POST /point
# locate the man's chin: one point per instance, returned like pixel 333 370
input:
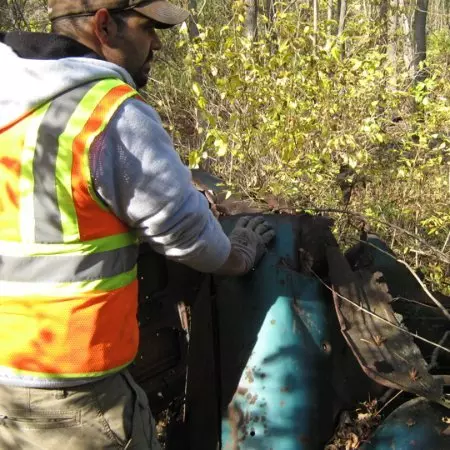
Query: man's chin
pixel 141 80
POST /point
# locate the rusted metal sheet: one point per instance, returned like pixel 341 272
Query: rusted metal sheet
pixel 214 189
pixel 385 352
pixel 418 311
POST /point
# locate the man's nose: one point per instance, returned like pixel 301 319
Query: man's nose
pixel 156 43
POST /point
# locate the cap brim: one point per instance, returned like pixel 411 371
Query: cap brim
pixel 165 14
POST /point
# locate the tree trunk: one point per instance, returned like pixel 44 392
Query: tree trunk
pixel 342 16
pixel 270 11
pixel 251 19
pixel 315 22
pixel 420 39
pixel 329 15
pixel 392 36
pixel 408 52
pixel 383 14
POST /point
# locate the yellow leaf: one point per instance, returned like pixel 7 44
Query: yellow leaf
pixel 197 89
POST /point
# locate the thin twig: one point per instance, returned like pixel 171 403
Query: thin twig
pixel 442 256
pixel 446 242
pixel 425 289
pixel 386 396
pixel 435 354
pixel 388 402
pixel 361 308
pixel 408 300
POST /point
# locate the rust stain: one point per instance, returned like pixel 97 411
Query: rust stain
pixel 249 376
pixel 253 399
pixel 282 404
pixel 326 347
pixel 413 374
pixel 284 389
pixel 410 422
pixel 242 390
pixel 273 322
pixel 296 308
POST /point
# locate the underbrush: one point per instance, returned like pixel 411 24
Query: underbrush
pixel 334 128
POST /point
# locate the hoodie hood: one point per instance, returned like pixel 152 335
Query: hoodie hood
pixel 48 65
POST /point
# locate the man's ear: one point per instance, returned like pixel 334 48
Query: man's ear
pixel 105 27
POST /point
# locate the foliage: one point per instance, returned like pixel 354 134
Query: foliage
pixel 329 127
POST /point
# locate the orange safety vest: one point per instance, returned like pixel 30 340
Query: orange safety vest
pixel 68 283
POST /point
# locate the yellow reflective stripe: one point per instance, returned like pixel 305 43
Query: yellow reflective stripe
pixel 107 118
pixel 74 127
pixel 24 374
pixel 26 181
pixel 61 290
pixel 18 249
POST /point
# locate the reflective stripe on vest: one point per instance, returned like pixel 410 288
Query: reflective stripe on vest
pixel 68 288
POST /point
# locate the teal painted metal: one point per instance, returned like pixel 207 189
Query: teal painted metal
pixel 415 425
pixel 284 397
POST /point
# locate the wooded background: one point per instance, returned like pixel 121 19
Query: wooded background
pixel 340 106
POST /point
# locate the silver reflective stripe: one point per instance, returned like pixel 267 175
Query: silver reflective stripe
pixel 48 226
pixel 65 268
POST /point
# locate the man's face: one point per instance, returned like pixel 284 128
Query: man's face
pixel 134 45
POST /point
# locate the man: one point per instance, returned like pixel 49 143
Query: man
pixel 86 170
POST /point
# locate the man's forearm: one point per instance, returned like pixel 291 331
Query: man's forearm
pixel 234 265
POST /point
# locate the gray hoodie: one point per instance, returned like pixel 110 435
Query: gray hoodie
pixel 135 169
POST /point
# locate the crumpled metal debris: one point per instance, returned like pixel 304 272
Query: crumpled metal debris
pixel 386 353
pixel 220 204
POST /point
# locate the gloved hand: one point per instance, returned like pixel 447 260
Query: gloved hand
pixel 250 237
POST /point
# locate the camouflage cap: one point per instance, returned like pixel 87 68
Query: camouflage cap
pixel 164 13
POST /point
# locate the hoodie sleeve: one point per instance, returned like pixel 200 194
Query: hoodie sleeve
pixel 138 174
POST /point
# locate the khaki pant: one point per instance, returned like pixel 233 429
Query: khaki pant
pixel 109 414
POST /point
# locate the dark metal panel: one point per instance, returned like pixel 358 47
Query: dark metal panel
pixel 203 388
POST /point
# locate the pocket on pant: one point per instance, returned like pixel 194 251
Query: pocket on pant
pixel 115 402
pixel 124 412
pixel 41 420
pixel 144 432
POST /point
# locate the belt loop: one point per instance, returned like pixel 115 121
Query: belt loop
pixel 60 394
